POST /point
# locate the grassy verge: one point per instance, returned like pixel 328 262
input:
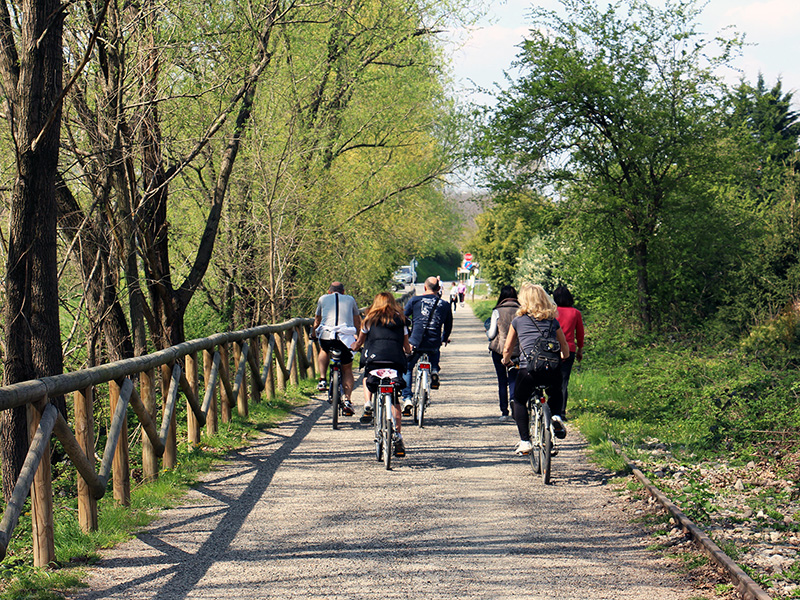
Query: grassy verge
pixel 75 549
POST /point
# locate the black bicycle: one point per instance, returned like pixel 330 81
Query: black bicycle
pixel 540 425
pixel 335 390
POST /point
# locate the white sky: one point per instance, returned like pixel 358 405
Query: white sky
pixel 770 27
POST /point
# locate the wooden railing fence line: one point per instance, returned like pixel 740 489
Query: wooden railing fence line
pixel 179 375
pixel 280 367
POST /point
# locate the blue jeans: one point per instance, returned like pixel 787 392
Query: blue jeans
pixel 506 381
pixel 433 356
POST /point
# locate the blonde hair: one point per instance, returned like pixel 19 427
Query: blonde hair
pixel 534 301
pixel 384 310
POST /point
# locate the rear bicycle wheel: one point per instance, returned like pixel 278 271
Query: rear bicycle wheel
pixel 336 397
pixel 547 443
pixel 376 421
pixel 415 394
pixel 386 430
pixel 423 400
pixel 535 430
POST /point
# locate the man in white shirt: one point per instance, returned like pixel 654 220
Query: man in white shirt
pixel 336 323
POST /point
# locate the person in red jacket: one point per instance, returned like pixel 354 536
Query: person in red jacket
pixel 571 323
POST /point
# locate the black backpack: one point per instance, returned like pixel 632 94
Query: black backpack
pixel 545 356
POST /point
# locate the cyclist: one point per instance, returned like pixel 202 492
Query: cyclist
pixel 384 337
pixel 431 324
pixel 336 323
pixel 534 304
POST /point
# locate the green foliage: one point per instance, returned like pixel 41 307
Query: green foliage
pixel 776 342
pixel 443 264
pixel 700 402
pixel 504 230
pixel 619 111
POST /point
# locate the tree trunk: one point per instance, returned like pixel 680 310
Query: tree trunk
pixel 33 337
pixel 643 285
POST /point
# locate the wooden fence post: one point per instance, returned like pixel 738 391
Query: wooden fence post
pixel 84 433
pixel 308 357
pixel 147 392
pixel 241 399
pixel 121 464
pixel 170 459
pixel 315 355
pixel 44 550
pixel 294 344
pixel 255 376
pixel 280 363
pixel 270 382
pixel 225 377
pixel 211 417
pixel 192 424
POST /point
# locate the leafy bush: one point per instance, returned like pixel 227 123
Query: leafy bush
pixel 776 342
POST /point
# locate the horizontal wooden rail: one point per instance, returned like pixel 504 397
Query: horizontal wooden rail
pixel 22 393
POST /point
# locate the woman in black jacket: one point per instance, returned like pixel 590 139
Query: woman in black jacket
pixel 384 338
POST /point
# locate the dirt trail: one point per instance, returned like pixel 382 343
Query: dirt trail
pixel 307 512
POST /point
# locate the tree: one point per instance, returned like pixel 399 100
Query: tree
pixel 505 230
pixel 31 68
pixel 619 110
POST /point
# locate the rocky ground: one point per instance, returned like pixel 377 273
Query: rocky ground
pixel 751 511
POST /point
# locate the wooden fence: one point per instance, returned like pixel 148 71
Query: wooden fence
pixel 287 355
pixel 287 352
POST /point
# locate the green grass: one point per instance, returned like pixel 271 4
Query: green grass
pixel 74 548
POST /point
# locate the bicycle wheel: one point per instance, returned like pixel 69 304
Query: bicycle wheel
pixel 547 443
pixel 535 430
pixel 415 394
pixel 423 400
pixel 336 397
pixel 386 430
pixel 376 420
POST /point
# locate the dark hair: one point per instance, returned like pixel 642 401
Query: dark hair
pixel 563 297
pixel 507 291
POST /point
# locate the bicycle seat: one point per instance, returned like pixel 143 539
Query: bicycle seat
pixel 384 373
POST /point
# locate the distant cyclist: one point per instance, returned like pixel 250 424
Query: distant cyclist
pixel 336 323
pixel 431 324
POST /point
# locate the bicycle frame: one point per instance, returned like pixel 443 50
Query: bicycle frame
pixel 384 420
pixel 422 388
pixel 335 385
pixel 540 426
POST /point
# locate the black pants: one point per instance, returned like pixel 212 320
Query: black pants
pixel 506 380
pixel 526 384
pixel 566 370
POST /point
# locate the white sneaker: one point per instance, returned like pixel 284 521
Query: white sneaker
pixel 523 447
pixel 505 418
pixel 408 406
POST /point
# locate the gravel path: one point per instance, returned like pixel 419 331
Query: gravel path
pixel 307 512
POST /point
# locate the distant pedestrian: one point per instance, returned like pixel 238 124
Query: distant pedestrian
pixel 462 291
pixel 503 313
pixel 454 297
pixel 571 322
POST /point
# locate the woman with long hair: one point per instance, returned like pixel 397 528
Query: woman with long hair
pixel 571 322
pixel 384 339
pixel 503 313
pixel 535 318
